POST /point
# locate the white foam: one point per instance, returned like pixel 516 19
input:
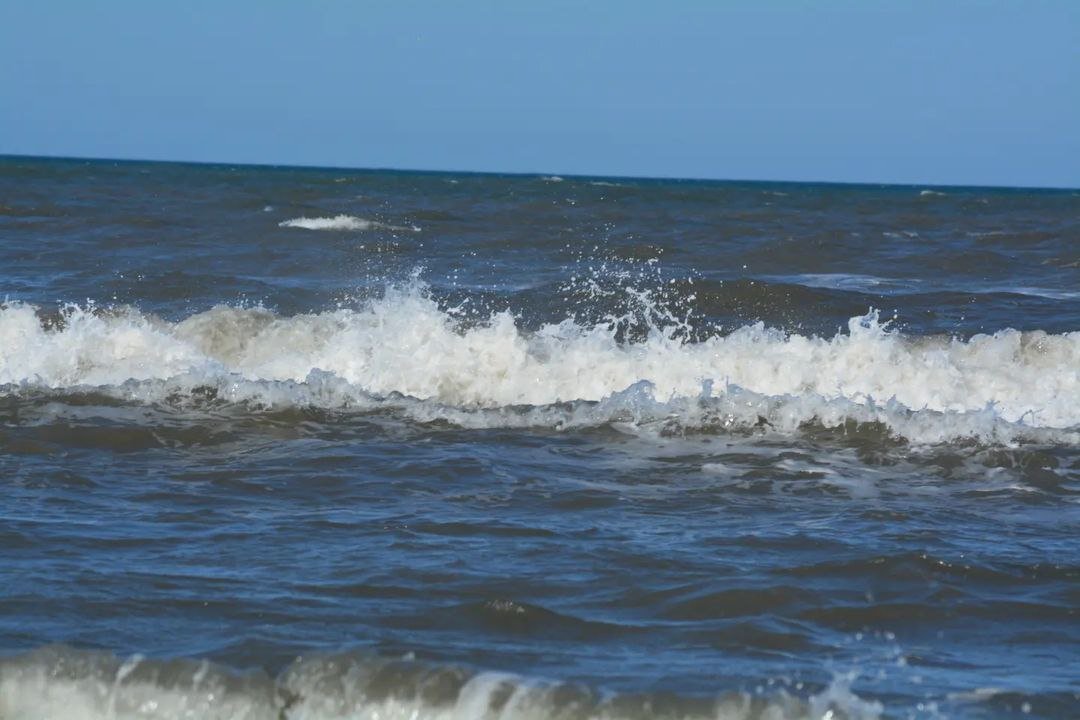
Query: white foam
pixel 58 682
pixel 61 682
pixel 403 349
pixel 344 222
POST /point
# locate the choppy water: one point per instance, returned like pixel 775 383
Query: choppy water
pixel 282 443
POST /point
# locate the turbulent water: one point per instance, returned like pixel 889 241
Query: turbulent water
pixel 299 443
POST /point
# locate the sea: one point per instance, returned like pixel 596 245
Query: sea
pixel 306 443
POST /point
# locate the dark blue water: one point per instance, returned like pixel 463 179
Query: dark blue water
pixel 299 443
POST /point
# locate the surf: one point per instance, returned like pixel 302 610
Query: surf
pixel 59 681
pixel 405 347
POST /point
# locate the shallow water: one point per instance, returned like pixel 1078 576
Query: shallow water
pixel 323 443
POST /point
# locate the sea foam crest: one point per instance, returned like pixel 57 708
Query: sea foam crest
pixel 57 681
pixel 343 222
pixel 403 348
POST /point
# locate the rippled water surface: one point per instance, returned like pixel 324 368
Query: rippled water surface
pixel 298 443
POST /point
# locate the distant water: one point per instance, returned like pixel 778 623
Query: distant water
pixel 298 443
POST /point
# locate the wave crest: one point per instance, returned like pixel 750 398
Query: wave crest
pixel 63 682
pixel 403 348
pixel 344 222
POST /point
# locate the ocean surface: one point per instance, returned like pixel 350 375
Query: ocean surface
pixel 314 443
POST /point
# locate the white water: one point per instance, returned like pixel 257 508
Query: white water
pixel 343 222
pixel 68 684
pixel 999 387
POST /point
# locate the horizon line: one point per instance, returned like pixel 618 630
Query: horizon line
pixel 536 174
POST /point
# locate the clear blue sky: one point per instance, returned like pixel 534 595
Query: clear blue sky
pixel 920 91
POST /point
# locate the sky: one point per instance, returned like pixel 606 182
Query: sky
pixel 982 92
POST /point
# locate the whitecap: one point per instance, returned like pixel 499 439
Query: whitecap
pixel 405 350
pixel 86 685
pixel 343 222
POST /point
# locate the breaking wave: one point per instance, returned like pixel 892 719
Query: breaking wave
pixel 84 685
pixel 344 222
pixel 403 349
